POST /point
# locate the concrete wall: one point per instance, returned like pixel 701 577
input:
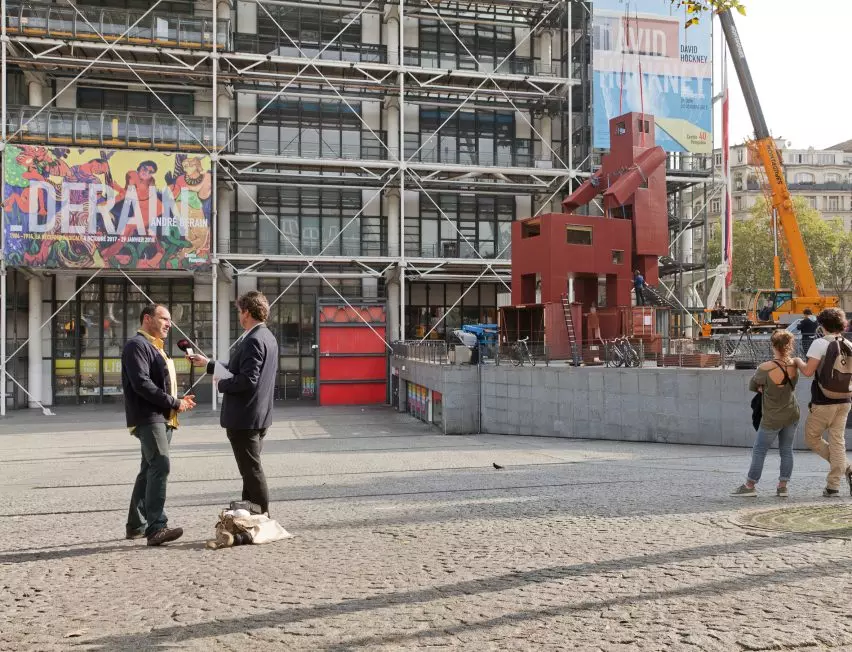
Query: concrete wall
pixel 683 406
pixel 459 386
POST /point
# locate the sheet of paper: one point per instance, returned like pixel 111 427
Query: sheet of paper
pixel 221 372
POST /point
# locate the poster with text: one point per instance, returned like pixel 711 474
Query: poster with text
pixel 77 208
pixel 676 80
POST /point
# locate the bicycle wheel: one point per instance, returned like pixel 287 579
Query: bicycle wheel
pixel 633 359
pixel 517 360
pixel 532 358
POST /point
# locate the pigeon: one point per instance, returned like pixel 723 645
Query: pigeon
pixel 496 466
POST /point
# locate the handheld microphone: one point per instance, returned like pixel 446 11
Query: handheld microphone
pixel 185 346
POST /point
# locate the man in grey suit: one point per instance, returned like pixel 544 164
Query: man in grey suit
pixel 248 394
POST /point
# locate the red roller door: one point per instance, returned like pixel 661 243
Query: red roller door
pixel 352 357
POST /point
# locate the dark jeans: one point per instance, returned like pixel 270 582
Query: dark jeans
pixel 247 445
pixel 149 492
pixel 640 296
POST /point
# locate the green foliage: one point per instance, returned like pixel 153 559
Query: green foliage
pixel 697 9
pixel 826 241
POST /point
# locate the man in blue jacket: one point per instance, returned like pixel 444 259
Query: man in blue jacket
pixel 151 405
pixel 249 390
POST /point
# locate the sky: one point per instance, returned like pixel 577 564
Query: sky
pixel 799 54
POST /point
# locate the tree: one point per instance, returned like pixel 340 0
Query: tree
pixel 697 8
pixel 826 242
pixel 839 261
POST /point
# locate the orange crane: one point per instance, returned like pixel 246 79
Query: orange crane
pixel 778 305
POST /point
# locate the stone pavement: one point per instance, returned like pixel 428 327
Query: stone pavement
pixel 405 539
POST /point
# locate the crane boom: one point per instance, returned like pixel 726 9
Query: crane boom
pixel 806 289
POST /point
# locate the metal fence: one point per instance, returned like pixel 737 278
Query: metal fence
pixel 432 351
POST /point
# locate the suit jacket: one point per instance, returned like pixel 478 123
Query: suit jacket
pixel 146 384
pixel 248 396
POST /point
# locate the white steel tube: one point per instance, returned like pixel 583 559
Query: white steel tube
pixel 3 102
pixel 214 163
pixel 402 168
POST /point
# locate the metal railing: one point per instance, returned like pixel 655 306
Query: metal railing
pixel 431 351
pixel 114 129
pixel 369 148
pixel 160 29
pixel 280 46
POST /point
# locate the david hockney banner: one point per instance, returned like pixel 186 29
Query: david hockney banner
pixel 88 208
pixel 645 59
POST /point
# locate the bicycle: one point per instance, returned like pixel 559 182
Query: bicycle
pixel 620 353
pixel 520 352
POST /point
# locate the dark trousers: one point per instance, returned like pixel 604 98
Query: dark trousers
pixel 640 296
pixel 149 492
pixel 247 446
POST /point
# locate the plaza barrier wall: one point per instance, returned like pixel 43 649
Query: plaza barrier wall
pixel 666 405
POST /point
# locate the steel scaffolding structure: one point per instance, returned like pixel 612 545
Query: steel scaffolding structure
pixel 219 53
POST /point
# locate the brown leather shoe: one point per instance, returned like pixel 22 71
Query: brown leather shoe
pixel 164 535
pixel 133 534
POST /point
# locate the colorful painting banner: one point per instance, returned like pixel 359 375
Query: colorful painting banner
pixel 646 60
pixel 80 208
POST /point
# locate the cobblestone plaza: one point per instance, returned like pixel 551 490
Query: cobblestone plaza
pixel 407 539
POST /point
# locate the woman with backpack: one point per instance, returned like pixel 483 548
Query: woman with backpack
pixel 776 381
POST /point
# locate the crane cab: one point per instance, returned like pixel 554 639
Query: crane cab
pixel 772 307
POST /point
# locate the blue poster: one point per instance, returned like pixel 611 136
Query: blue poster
pixel 645 59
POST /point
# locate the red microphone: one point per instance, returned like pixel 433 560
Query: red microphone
pixel 185 346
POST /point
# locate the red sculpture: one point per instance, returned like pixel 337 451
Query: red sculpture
pixel 558 251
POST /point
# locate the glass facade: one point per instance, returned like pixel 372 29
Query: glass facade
pixel 90 331
pixel 310 221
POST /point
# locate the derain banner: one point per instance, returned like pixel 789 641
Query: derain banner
pixel 89 208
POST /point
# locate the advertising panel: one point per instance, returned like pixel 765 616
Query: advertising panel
pixel 78 208
pixel 676 71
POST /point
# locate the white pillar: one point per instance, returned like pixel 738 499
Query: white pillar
pixel 224 310
pixel 546 131
pixel 34 354
pixel 247 17
pixel 392 34
pixel 393 208
pixel 546 49
pixel 224 198
pixel 36 93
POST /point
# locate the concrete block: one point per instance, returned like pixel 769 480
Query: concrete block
pixel 524 375
pixel 581 429
pixel 737 433
pixel 667 380
pixel 688 384
pixel 596 379
pixel 514 391
pixel 667 405
pixel 581 411
pixel 629 382
pixel 501 391
pixel 551 378
pixel 612 431
pixel 687 408
pixel 735 389
pixel 648 383
pixel 567 379
pixel 710 386
pixel 710 431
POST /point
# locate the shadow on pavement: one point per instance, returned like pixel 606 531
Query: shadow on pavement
pixel 497 583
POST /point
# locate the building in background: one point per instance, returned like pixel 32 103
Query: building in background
pixel 354 148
